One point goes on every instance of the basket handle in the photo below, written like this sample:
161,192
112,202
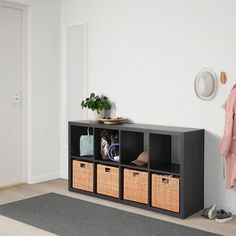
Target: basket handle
164,180
107,169
135,174
82,165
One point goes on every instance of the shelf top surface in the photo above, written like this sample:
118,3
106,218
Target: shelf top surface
135,127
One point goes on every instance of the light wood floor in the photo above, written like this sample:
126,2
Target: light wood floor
11,227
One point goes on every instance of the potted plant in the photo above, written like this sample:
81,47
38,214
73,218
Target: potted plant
96,103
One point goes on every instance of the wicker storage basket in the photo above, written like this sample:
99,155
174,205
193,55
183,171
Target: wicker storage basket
82,175
108,180
165,192
136,186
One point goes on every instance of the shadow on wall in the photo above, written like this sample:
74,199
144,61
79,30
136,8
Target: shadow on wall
214,174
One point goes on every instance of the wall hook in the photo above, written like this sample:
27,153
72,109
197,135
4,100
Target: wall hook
223,78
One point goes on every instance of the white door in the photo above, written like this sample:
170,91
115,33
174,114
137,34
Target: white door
11,65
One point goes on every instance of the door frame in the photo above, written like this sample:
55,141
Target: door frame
64,125
26,86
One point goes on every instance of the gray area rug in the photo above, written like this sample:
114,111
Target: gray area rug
64,215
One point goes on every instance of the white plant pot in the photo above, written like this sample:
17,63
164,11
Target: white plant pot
93,115
101,115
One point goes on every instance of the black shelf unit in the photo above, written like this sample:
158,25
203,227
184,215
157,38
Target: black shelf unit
173,151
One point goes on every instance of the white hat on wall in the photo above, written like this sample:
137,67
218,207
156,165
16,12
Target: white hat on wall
205,84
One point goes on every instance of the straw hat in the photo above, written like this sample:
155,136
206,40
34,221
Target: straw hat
205,84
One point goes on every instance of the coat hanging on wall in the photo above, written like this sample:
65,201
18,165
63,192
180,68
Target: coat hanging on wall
228,145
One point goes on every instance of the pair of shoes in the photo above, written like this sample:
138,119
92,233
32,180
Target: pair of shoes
210,212
222,216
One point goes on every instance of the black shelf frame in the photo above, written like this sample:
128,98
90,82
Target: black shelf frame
134,167
83,158
173,169
166,146
107,162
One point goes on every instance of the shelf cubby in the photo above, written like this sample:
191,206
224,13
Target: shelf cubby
132,144
97,144
165,153
75,135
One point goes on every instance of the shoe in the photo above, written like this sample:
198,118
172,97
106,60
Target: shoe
210,212
223,216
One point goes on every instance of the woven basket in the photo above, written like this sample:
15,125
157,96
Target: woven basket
165,192
108,180
82,175
136,186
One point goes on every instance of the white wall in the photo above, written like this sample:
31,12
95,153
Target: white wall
44,88
145,54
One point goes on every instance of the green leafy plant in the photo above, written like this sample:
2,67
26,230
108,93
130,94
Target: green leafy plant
96,103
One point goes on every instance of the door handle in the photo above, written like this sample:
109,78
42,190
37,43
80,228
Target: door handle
16,99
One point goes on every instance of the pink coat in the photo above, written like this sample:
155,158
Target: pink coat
228,145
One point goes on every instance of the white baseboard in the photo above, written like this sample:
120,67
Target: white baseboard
64,175
43,178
